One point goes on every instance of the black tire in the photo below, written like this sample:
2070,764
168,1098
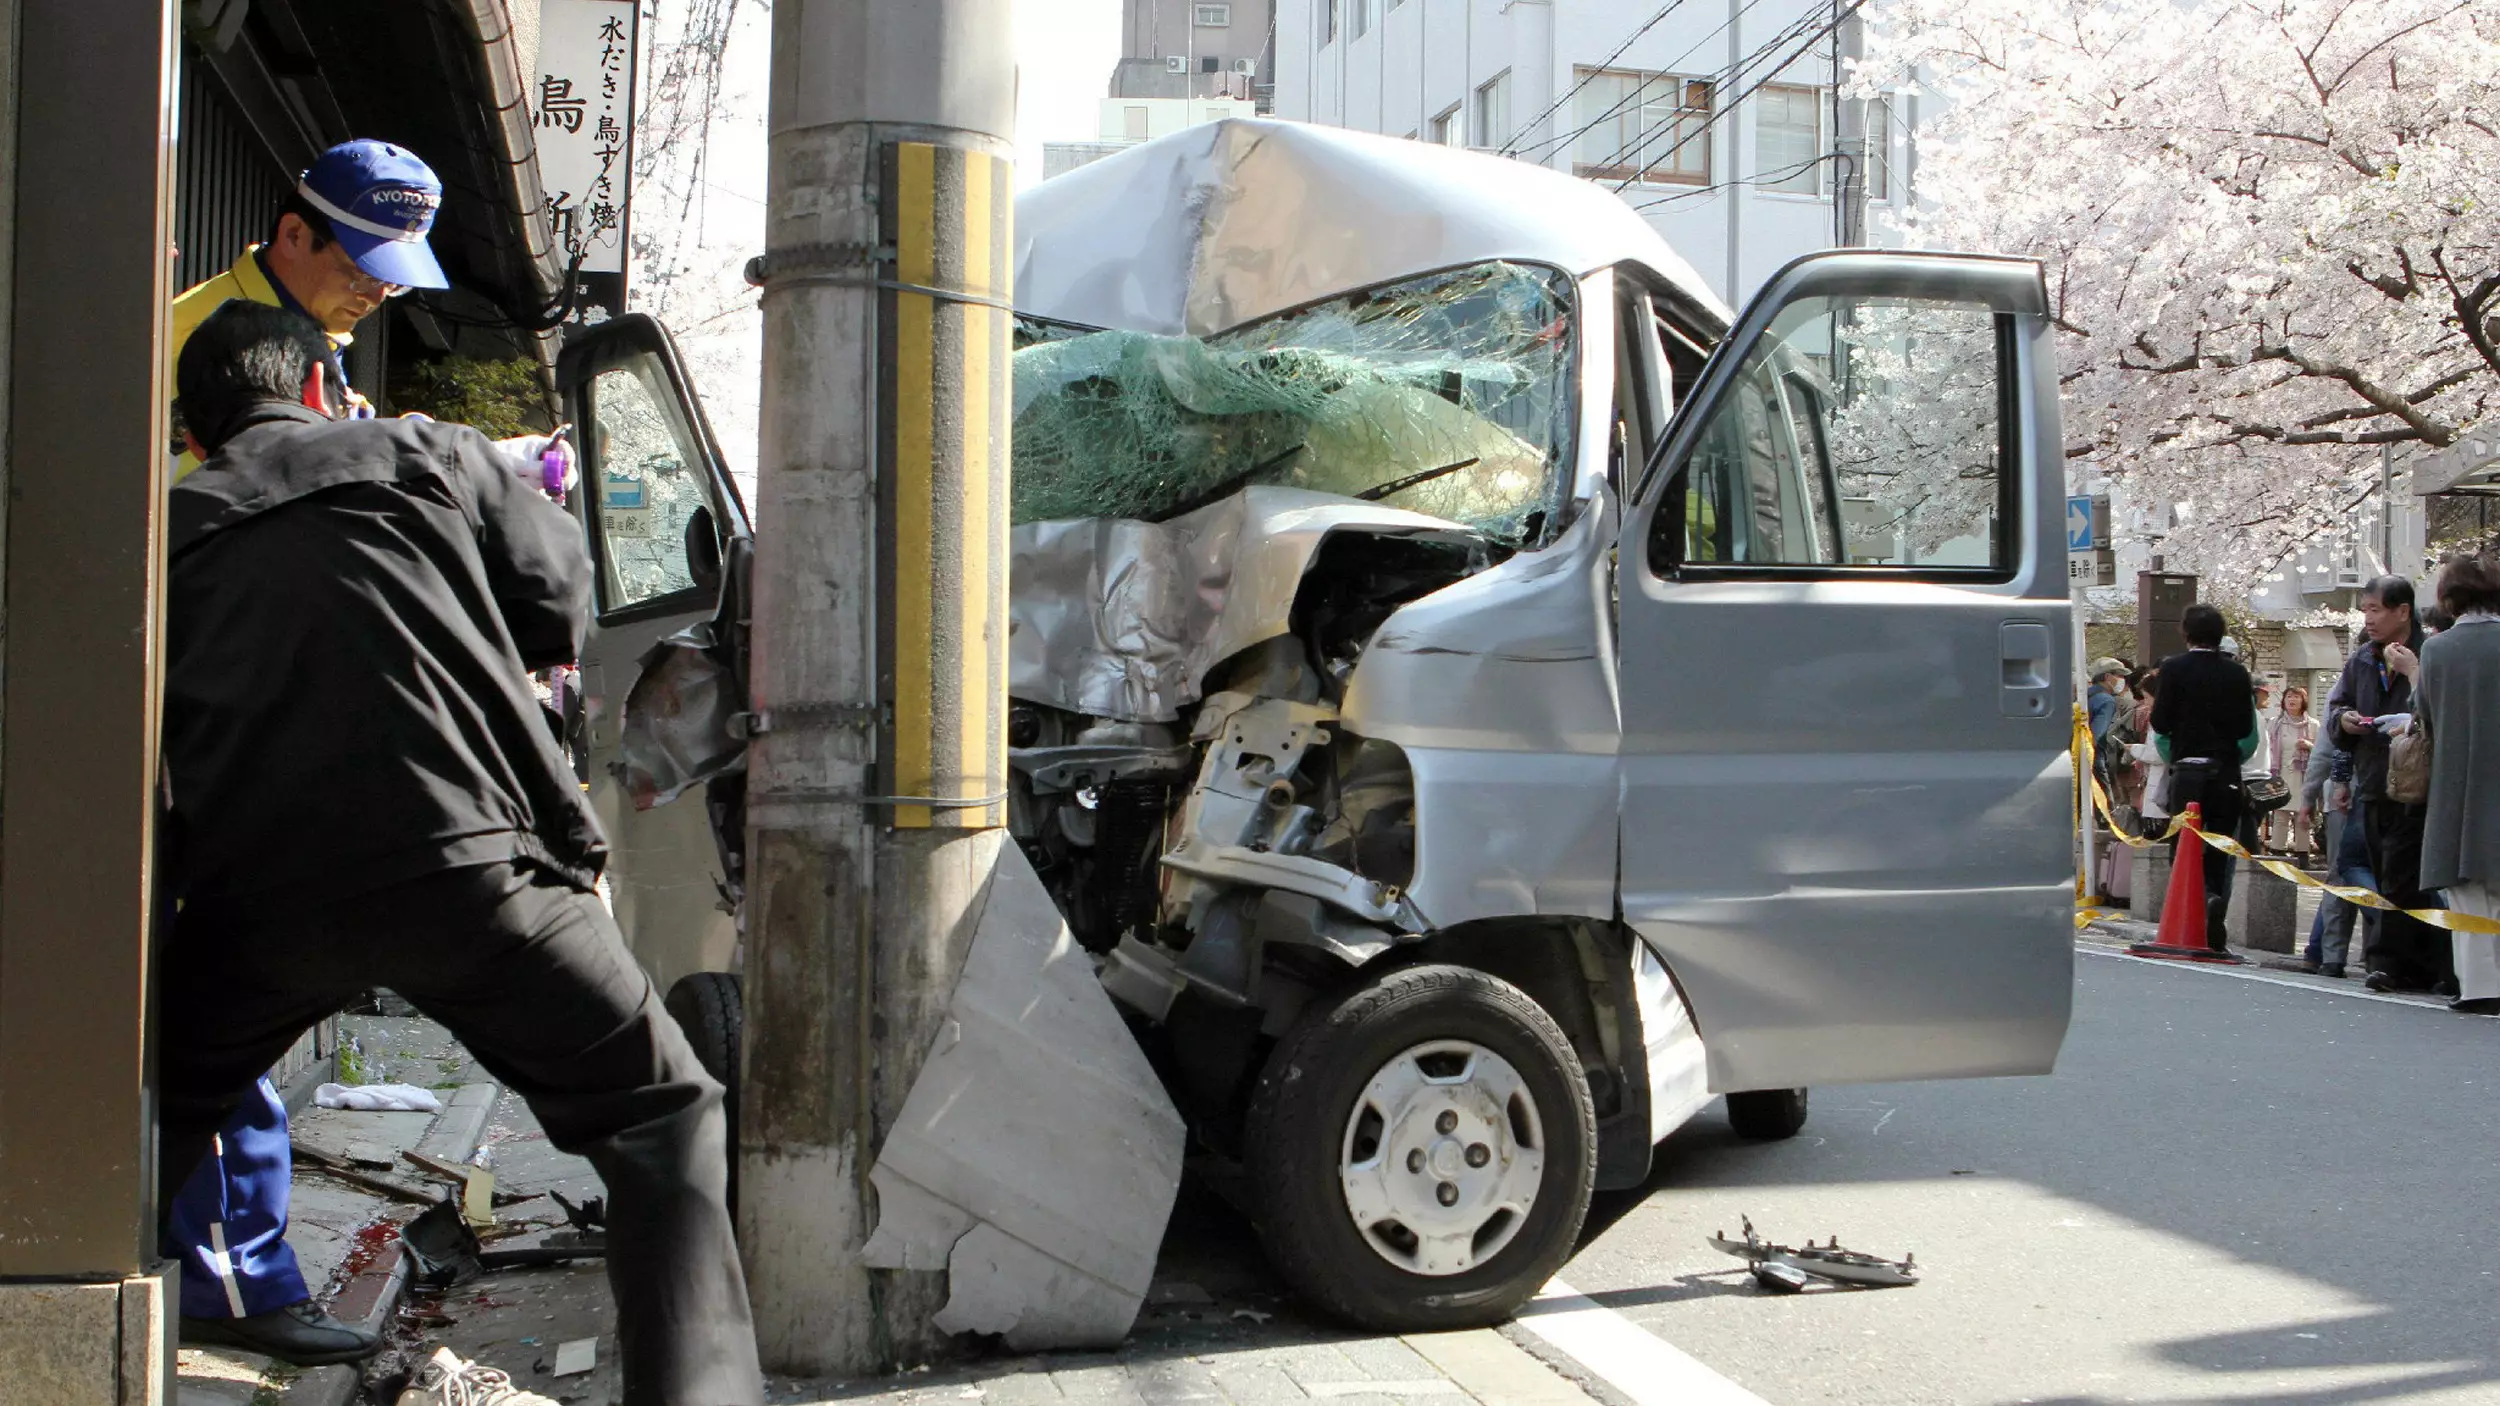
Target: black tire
711,1008
1767,1115
1298,1126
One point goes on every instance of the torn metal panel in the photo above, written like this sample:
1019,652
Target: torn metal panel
1213,227
1036,1157
679,728
1501,692
1122,619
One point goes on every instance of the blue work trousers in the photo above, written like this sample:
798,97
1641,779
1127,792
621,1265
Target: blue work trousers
2330,933
228,1223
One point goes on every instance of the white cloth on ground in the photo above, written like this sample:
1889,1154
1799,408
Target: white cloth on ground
2477,954
379,1098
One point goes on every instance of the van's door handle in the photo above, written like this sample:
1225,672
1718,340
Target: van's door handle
2023,664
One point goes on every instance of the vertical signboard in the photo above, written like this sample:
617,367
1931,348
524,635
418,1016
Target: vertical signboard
582,105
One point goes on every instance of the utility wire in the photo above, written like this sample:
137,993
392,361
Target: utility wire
1720,81
1540,149
1759,178
1775,70
1510,148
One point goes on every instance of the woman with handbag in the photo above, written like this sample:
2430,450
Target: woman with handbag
2457,722
2293,734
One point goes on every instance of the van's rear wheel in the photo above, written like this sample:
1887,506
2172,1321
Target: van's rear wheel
1767,1115
1422,1152
711,1009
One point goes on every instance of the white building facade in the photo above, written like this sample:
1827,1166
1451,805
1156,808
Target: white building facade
1718,121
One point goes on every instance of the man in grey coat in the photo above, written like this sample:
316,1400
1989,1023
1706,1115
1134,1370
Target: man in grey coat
2459,706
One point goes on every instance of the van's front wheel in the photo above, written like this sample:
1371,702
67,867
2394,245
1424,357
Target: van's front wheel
1422,1151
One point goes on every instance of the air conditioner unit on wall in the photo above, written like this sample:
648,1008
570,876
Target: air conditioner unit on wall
1176,63
1247,68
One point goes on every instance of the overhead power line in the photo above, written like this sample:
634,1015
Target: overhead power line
1510,148
1721,82
1722,110
1547,146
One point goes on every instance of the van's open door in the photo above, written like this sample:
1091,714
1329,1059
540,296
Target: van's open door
667,534
1845,673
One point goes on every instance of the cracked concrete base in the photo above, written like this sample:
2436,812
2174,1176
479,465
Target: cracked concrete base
1037,1155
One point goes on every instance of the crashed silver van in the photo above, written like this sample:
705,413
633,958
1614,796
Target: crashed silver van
1477,699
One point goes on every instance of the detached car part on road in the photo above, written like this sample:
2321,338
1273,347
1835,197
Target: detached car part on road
1474,699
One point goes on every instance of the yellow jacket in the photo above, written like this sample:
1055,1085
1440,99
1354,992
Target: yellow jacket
243,280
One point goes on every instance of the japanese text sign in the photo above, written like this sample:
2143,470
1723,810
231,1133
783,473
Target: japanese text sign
582,106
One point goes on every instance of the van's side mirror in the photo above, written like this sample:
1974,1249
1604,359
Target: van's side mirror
703,551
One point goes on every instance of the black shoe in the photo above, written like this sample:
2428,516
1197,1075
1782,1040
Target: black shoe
2476,1005
2379,981
2336,971
299,1333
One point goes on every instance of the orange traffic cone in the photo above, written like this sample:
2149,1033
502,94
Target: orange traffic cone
2183,906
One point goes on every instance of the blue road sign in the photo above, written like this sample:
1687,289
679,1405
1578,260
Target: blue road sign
2079,525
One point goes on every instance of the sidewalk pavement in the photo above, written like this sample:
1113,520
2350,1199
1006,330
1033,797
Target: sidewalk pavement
1217,1328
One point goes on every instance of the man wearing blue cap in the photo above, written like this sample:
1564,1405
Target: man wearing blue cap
349,236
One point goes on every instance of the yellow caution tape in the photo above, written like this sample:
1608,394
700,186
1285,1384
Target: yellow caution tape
2359,897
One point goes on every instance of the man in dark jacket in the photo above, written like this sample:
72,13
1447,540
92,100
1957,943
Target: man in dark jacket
2205,718
2409,955
362,794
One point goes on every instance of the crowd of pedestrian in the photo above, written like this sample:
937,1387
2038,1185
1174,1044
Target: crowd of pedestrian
2395,789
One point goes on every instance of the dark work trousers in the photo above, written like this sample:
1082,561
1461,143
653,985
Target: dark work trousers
533,977
2415,955
2219,802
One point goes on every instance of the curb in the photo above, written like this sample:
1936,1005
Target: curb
370,1298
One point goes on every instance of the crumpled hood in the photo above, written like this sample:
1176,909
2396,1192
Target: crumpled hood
1122,619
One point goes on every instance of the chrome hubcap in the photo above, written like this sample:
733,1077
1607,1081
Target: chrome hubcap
1442,1158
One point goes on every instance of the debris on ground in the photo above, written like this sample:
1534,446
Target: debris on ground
576,1357
378,1098
1781,1269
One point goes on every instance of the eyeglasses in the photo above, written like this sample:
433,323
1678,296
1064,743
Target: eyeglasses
365,284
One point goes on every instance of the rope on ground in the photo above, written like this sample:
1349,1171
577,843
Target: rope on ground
2445,918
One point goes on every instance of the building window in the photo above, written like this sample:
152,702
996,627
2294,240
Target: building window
1215,16
1327,22
1492,112
1788,140
1879,149
1642,127
1359,17
1445,128
1133,124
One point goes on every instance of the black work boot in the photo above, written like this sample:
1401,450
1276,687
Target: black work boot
299,1333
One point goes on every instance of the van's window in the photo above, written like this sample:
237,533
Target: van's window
648,482
1856,434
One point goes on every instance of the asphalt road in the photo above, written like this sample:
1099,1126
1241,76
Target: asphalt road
2228,1191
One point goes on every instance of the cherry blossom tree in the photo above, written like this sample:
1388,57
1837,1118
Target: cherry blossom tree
2269,227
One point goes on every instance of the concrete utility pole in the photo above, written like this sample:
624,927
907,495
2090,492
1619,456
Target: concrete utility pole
1848,46
874,790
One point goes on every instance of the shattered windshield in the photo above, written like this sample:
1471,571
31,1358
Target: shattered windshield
1448,394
